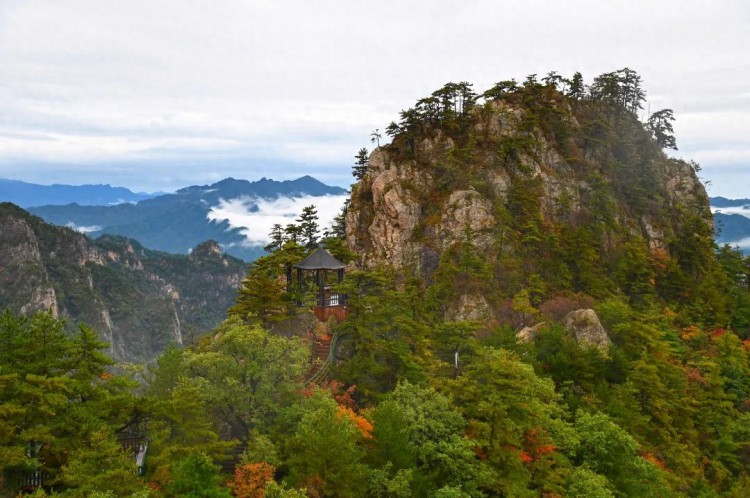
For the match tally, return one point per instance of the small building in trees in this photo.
(315, 274)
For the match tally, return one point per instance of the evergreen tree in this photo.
(577, 89)
(660, 126)
(375, 137)
(309, 227)
(360, 166)
(338, 229)
(325, 453)
(293, 233)
(277, 238)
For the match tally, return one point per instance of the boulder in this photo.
(587, 328)
(528, 334)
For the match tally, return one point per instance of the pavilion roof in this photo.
(320, 259)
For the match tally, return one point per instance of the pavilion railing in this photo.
(327, 300)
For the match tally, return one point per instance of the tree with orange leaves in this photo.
(250, 480)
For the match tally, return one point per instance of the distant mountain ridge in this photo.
(29, 195)
(731, 221)
(179, 221)
(721, 202)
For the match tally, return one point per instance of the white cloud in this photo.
(743, 244)
(83, 228)
(741, 210)
(256, 216)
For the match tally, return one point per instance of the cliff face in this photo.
(554, 193)
(139, 300)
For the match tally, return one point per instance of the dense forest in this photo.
(417, 399)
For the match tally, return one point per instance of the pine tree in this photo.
(577, 89)
(660, 125)
(309, 227)
(360, 166)
(293, 232)
(277, 238)
(338, 229)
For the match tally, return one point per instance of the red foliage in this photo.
(717, 332)
(534, 448)
(481, 453)
(650, 457)
(545, 449)
(315, 486)
(556, 308)
(690, 333)
(660, 258)
(746, 344)
(251, 480)
(694, 375)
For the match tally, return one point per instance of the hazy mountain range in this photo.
(29, 195)
(732, 221)
(237, 214)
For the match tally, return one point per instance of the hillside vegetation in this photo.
(536, 307)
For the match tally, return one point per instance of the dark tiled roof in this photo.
(320, 260)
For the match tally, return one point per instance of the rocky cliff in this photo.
(139, 300)
(546, 192)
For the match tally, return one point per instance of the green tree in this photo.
(98, 464)
(309, 227)
(264, 297)
(360, 166)
(326, 449)
(417, 429)
(277, 238)
(385, 331)
(246, 375)
(610, 451)
(516, 420)
(660, 126)
(577, 90)
(196, 476)
(293, 233)
(585, 483)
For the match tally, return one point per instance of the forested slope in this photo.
(535, 308)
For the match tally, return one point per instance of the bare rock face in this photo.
(470, 307)
(466, 210)
(386, 234)
(528, 334)
(43, 299)
(587, 328)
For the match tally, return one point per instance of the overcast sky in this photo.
(158, 94)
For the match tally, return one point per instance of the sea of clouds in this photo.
(256, 216)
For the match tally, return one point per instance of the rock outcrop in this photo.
(529, 333)
(587, 329)
(532, 191)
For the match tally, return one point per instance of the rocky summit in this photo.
(548, 192)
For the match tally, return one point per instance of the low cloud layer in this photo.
(256, 217)
(83, 228)
(742, 210)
